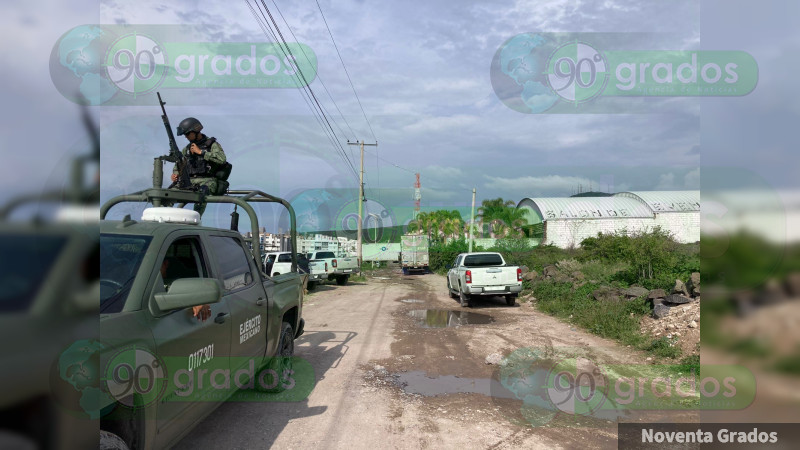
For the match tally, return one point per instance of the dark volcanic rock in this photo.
(635, 291)
(676, 299)
(660, 311)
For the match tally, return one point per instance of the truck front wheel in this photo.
(110, 441)
(342, 280)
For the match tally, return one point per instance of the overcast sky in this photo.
(421, 70)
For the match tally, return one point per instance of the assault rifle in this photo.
(175, 155)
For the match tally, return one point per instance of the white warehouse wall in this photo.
(685, 227)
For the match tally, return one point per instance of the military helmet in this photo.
(189, 124)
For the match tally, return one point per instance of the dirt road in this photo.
(389, 376)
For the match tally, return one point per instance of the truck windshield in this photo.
(24, 266)
(120, 258)
(483, 260)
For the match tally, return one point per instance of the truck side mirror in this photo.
(448, 266)
(186, 292)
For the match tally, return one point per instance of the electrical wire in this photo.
(345, 71)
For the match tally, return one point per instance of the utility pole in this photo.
(361, 198)
(471, 220)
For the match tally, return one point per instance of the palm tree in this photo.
(503, 217)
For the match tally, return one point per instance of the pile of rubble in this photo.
(682, 293)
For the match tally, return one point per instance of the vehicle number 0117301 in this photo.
(201, 356)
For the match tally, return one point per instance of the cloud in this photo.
(542, 186)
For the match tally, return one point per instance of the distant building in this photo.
(565, 222)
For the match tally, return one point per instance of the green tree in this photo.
(503, 218)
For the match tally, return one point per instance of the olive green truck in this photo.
(188, 316)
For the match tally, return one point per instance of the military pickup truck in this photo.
(185, 311)
(483, 274)
(339, 268)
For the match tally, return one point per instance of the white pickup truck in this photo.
(483, 273)
(339, 268)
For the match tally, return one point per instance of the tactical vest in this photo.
(197, 166)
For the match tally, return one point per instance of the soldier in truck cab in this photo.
(202, 312)
(204, 158)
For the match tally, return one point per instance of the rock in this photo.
(656, 301)
(635, 291)
(692, 324)
(680, 288)
(550, 271)
(579, 276)
(524, 269)
(693, 283)
(530, 276)
(605, 293)
(696, 291)
(660, 311)
(670, 326)
(792, 284)
(676, 299)
(494, 359)
(657, 293)
(649, 358)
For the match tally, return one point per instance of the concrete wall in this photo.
(380, 252)
(685, 227)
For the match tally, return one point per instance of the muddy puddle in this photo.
(440, 318)
(419, 383)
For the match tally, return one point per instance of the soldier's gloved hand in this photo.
(174, 177)
(195, 149)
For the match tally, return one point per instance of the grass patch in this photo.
(664, 347)
(750, 347)
(618, 320)
(359, 277)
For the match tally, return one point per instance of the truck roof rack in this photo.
(241, 198)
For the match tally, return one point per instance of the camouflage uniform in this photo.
(201, 167)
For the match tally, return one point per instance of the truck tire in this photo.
(466, 299)
(341, 280)
(311, 285)
(281, 363)
(511, 300)
(110, 441)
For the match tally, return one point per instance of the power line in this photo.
(319, 77)
(345, 71)
(307, 90)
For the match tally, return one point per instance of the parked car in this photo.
(483, 274)
(276, 263)
(339, 268)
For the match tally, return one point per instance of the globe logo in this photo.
(531, 73)
(77, 65)
(91, 65)
(518, 73)
(76, 381)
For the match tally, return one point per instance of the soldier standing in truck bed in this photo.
(204, 157)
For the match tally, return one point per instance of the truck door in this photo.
(192, 348)
(453, 273)
(244, 293)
